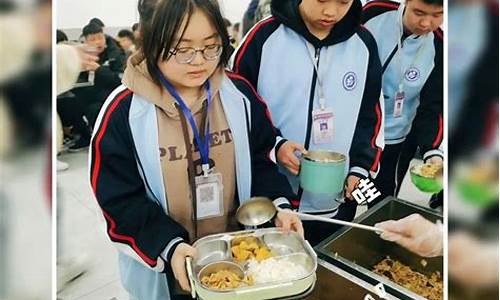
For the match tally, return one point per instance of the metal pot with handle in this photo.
(323, 171)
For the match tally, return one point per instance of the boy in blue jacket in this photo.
(313, 60)
(410, 45)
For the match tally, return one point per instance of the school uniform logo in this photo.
(350, 81)
(412, 74)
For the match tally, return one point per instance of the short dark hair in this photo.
(96, 21)
(162, 19)
(135, 26)
(126, 33)
(91, 28)
(433, 2)
(61, 36)
(227, 22)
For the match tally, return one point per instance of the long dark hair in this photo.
(160, 20)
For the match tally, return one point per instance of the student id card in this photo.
(209, 196)
(399, 100)
(322, 126)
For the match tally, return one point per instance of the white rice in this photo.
(275, 269)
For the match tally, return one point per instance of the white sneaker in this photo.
(61, 166)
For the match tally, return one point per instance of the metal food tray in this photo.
(217, 248)
(357, 251)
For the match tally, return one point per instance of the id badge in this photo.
(209, 196)
(399, 100)
(322, 126)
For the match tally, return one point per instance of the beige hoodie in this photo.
(173, 151)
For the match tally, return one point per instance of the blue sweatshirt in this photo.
(277, 55)
(418, 65)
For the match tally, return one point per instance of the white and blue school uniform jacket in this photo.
(126, 177)
(419, 66)
(277, 55)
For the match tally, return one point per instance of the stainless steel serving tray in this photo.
(357, 251)
(216, 248)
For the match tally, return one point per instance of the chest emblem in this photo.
(350, 81)
(412, 74)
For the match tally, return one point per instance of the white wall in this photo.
(122, 13)
(234, 9)
(114, 13)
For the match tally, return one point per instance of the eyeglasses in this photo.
(186, 55)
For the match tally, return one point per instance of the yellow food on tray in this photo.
(262, 253)
(225, 279)
(248, 248)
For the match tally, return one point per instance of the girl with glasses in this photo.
(178, 147)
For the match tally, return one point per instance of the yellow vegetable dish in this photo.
(225, 279)
(248, 248)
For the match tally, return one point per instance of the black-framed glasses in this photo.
(186, 55)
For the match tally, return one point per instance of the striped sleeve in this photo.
(428, 121)
(136, 224)
(368, 140)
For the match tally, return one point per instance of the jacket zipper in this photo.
(386, 64)
(391, 56)
(317, 52)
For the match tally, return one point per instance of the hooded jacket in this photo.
(277, 56)
(419, 66)
(145, 216)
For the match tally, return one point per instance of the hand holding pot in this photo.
(350, 184)
(286, 156)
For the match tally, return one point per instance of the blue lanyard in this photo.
(203, 144)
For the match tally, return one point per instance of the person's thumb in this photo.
(390, 226)
(390, 236)
(295, 146)
(190, 251)
(286, 225)
(300, 148)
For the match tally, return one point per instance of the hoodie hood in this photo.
(137, 78)
(287, 12)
